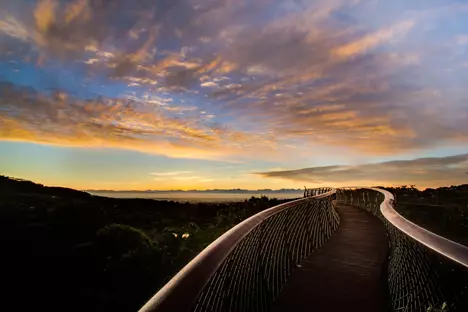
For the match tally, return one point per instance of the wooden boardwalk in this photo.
(346, 274)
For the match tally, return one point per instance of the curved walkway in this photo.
(347, 274)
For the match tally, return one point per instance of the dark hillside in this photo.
(67, 250)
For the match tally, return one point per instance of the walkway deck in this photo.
(346, 274)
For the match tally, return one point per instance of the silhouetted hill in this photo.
(14, 185)
(66, 248)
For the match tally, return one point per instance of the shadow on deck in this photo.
(347, 274)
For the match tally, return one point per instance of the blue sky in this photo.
(225, 94)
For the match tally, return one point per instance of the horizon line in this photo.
(201, 190)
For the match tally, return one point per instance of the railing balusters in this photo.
(282, 241)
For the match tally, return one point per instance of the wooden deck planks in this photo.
(346, 274)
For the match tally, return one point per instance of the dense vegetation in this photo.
(67, 250)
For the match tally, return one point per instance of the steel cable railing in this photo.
(246, 268)
(424, 269)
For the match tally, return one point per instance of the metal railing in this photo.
(245, 268)
(316, 191)
(424, 269)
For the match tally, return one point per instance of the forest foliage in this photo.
(103, 254)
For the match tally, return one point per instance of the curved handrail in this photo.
(194, 276)
(439, 244)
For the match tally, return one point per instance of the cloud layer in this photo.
(422, 172)
(212, 79)
(147, 126)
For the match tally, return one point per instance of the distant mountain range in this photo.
(237, 191)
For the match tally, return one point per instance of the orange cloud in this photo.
(78, 9)
(372, 40)
(45, 14)
(113, 123)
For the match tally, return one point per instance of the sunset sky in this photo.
(183, 94)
